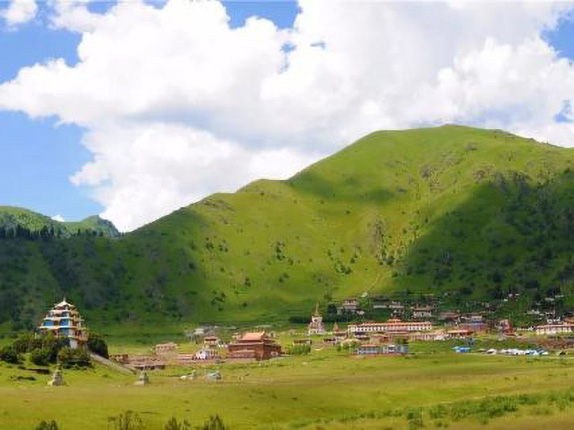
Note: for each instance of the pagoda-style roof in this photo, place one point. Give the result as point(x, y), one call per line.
point(64, 321)
point(64, 305)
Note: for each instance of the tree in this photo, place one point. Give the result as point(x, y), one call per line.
point(98, 345)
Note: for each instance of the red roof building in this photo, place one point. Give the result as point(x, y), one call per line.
point(254, 345)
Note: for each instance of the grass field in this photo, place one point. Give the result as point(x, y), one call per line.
point(325, 390)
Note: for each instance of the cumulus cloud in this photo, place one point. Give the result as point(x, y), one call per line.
point(58, 218)
point(19, 12)
point(177, 104)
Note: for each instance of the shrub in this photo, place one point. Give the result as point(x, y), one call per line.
point(69, 357)
point(45, 425)
point(41, 356)
point(173, 424)
point(213, 423)
point(54, 345)
point(26, 343)
point(299, 350)
point(129, 420)
point(9, 355)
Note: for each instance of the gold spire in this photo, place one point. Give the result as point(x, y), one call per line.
point(317, 313)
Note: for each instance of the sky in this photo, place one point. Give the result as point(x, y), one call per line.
point(133, 109)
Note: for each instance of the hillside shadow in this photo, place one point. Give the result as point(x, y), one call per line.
point(509, 236)
point(347, 190)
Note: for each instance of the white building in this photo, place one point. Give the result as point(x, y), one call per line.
point(316, 325)
point(392, 325)
point(554, 328)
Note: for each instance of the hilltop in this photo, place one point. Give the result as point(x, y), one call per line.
point(14, 218)
point(462, 213)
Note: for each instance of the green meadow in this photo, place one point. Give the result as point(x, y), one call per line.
point(328, 389)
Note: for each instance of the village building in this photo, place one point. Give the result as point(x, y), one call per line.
point(427, 336)
point(166, 348)
point(397, 307)
point(554, 328)
point(145, 362)
point(64, 321)
point(211, 341)
point(423, 312)
point(393, 305)
point(203, 356)
point(338, 334)
point(316, 325)
point(369, 350)
point(257, 345)
point(120, 358)
point(392, 325)
point(449, 316)
point(206, 354)
point(349, 306)
point(474, 323)
point(380, 303)
point(458, 333)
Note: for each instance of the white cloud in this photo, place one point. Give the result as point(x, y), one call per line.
point(148, 169)
point(178, 105)
point(19, 12)
point(58, 218)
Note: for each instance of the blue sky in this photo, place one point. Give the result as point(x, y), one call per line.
point(39, 156)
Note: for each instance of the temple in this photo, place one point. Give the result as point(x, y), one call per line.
point(256, 346)
point(316, 325)
point(64, 321)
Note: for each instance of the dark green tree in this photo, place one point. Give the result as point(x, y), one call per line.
point(98, 345)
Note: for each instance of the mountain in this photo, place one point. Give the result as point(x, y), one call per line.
point(14, 218)
point(467, 215)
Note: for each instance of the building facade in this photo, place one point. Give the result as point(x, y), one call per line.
point(392, 325)
point(64, 321)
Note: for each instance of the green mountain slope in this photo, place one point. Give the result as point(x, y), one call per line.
point(463, 213)
point(12, 218)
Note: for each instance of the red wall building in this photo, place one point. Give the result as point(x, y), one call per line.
point(254, 345)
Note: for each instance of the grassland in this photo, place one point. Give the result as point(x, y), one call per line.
point(325, 390)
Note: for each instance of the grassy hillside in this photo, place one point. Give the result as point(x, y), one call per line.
point(463, 213)
point(13, 218)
